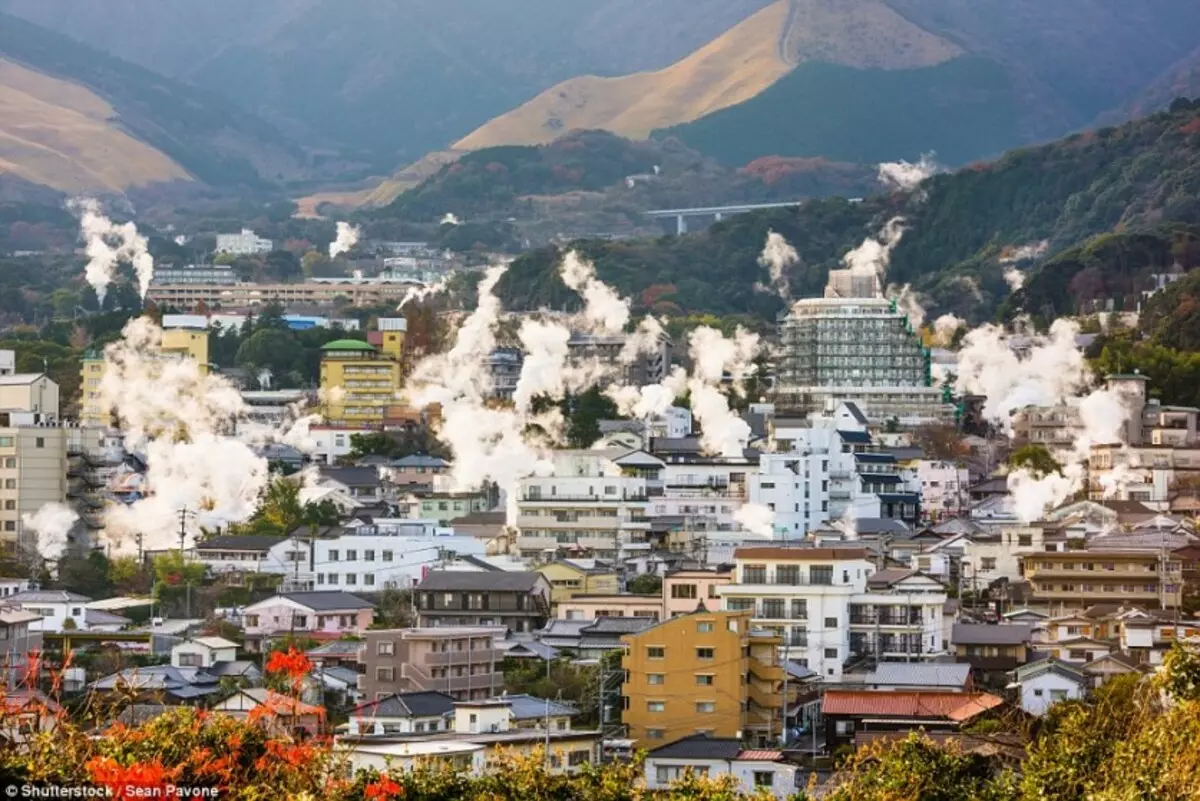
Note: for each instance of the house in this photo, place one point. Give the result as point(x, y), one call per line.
point(519, 601)
point(1107, 667)
point(624, 604)
point(755, 771)
point(363, 484)
point(520, 649)
point(416, 471)
point(203, 652)
point(321, 615)
point(17, 643)
point(12, 586)
point(939, 676)
point(247, 553)
point(848, 713)
point(403, 713)
point(165, 683)
point(460, 661)
point(1079, 651)
point(335, 653)
point(684, 590)
point(991, 648)
point(27, 712)
point(340, 680)
point(1147, 636)
point(570, 578)
point(1046, 682)
point(54, 607)
point(102, 621)
point(280, 713)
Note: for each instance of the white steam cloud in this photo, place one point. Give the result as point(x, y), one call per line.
point(909, 303)
point(1014, 278)
point(1016, 255)
point(451, 219)
point(907, 176)
point(51, 524)
point(777, 256)
point(944, 329)
point(756, 518)
point(875, 253)
point(109, 244)
point(347, 237)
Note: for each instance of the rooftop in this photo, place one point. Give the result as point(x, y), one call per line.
point(327, 601)
point(461, 580)
point(699, 746)
point(404, 705)
point(798, 553)
point(985, 634)
point(920, 674)
point(239, 542)
point(348, 345)
point(900, 704)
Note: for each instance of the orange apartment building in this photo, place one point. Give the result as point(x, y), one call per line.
point(706, 673)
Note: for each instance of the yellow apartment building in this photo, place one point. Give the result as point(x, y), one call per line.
point(191, 343)
point(570, 577)
point(702, 673)
point(1068, 581)
point(360, 382)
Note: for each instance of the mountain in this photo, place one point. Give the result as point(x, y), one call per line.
point(1025, 70)
point(77, 119)
point(392, 79)
point(1182, 79)
point(961, 228)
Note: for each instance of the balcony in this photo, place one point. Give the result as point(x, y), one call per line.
point(766, 672)
point(763, 699)
point(476, 657)
point(635, 497)
point(759, 580)
point(885, 620)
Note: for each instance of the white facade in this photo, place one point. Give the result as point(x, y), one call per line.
point(12, 586)
point(8, 362)
point(819, 600)
point(594, 499)
point(752, 775)
point(943, 488)
point(1047, 687)
point(675, 423)
point(706, 494)
point(795, 488)
point(247, 243)
point(54, 607)
point(203, 652)
point(370, 562)
point(997, 553)
point(330, 444)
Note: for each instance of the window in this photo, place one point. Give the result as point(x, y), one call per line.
point(1024, 540)
point(301, 621)
point(351, 578)
point(764, 778)
point(387, 556)
point(368, 556)
point(685, 591)
point(704, 679)
point(821, 575)
point(1076, 653)
point(740, 604)
point(704, 627)
point(656, 652)
point(333, 578)
point(10, 505)
point(655, 678)
point(987, 563)
point(772, 608)
point(831, 653)
point(10, 483)
point(351, 556)
point(656, 706)
point(577, 758)
point(799, 609)
point(10, 462)
point(6, 442)
point(333, 555)
point(704, 653)
point(706, 707)
point(1037, 693)
point(369, 579)
point(39, 442)
point(754, 574)
point(252, 621)
point(385, 648)
point(10, 525)
point(189, 660)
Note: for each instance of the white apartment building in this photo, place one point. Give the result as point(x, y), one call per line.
point(943, 488)
point(997, 552)
point(832, 607)
point(247, 243)
point(795, 488)
point(596, 500)
point(331, 443)
point(704, 493)
point(8, 362)
point(29, 392)
point(53, 607)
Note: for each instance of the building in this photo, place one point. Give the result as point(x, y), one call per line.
point(54, 607)
point(403, 713)
point(646, 367)
point(831, 607)
point(187, 340)
point(360, 383)
point(943, 488)
point(18, 641)
point(203, 652)
point(704, 673)
point(854, 715)
point(570, 578)
point(1046, 682)
point(504, 367)
point(329, 294)
point(246, 243)
point(596, 502)
point(416, 471)
point(519, 601)
point(1073, 580)
point(320, 615)
point(855, 345)
point(753, 770)
point(992, 649)
point(591, 607)
point(684, 590)
point(29, 392)
point(460, 661)
point(8, 362)
point(215, 274)
point(449, 507)
point(282, 714)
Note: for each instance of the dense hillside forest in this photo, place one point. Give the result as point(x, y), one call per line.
point(960, 227)
point(211, 138)
point(520, 181)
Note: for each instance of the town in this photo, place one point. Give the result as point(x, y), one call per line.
point(842, 558)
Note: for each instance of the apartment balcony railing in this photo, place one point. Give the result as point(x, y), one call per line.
point(766, 672)
point(750, 580)
point(476, 657)
point(885, 620)
point(590, 498)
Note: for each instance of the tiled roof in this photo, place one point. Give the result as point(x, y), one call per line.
point(239, 542)
point(799, 553)
point(403, 705)
point(461, 580)
point(759, 755)
point(893, 704)
point(327, 601)
point(985, 634)
point(917, 674)
point(699, 746)
point(529, 707)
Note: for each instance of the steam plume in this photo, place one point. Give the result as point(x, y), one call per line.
point(347, 237)
point(451, 219)
point(604, 312)
point(756, 518)
point(109, 244)
point(1014, 278)
point(876, 253)
point(1029, 252)
point(944, 329)
point(906, 176)
point(51, 524)
point(908, 302)
point(777, 256)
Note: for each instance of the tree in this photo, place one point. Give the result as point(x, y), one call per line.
point(271, 349)
point(646, 584)
point(584, 413)
point(128, 575)
point(940, 441)
point(1036, 459)
point(88, 575)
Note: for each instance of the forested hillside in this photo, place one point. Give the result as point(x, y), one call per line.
point(959, 228)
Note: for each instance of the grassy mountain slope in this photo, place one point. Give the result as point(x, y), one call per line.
point(962, 224)
point(62, 135)
point(201, 133)
point(393, 79)
point(1181, 80)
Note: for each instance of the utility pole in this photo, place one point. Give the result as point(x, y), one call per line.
point(784, 735)
point(183, 516)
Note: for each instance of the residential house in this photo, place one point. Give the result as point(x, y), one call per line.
point(385, 554)
point(460, 661)
point(1146, 637)
point(339, 681)
point(248, 553)
point(363, 484)
point(320, 615)
point(1079, 650)
point(281, 714)
point(831, 606)
point(1101, 670)
point(572, 577)
point(161, 683)
point(416, 471)
point(1046, 682)
point(849, 714)
point(684, 590)
point(937, 676)
point(335, 653)
point(992, 649)
point(403, 713)
point(98, 620)
point(25, 713)
point(754, 771)
point(54, 607)
point(519, 601)
point(707, 672)
point(625, 604)
point(203, 652)
point(19, 643)
point(12, 586)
